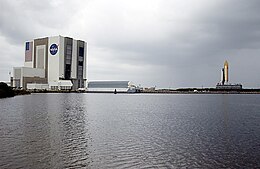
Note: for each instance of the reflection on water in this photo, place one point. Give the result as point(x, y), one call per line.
point(130, 131)
point(44, 131)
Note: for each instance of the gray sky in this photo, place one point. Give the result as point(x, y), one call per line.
point(167, 43)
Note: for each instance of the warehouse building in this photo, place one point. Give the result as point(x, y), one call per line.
point(59, 62)
point(111, 86)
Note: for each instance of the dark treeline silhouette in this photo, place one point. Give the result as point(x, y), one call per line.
point(6, 91)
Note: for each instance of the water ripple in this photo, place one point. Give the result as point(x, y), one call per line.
point(130, 131)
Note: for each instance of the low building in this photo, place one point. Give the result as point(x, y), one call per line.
point(229, 86)
point(38, 86)
point(26, 75)
point(61, 85)
point(111, 86)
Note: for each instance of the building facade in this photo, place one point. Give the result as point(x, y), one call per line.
point(54, 61)
point(111, 86)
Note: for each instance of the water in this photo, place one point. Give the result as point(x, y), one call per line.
point(130, 131)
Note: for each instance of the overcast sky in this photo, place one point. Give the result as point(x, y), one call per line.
point(167, 43)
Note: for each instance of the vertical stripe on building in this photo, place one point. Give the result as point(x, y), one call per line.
point(28, 51)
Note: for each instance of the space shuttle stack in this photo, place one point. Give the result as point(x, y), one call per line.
point(224, 74)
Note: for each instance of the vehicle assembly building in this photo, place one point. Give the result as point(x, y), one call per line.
point(56, 63)
point(224, 80)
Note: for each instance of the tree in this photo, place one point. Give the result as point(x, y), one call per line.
point(5, 90)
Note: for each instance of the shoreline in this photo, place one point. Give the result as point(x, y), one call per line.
point(154, 92)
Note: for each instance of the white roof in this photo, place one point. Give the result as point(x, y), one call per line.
point(61, 83)
point(108, 84)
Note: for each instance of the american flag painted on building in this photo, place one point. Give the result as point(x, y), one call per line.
point(28, 51)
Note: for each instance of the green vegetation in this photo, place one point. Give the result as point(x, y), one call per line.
point(21, 92)
point(6, 91)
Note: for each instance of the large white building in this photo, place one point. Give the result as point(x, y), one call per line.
point(54, 63)
point(111, 86)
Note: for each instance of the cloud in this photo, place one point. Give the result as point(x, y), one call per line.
point(164, 43)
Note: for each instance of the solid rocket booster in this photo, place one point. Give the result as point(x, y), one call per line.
point(222, 76)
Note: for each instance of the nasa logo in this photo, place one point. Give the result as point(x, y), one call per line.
point(53, 49)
